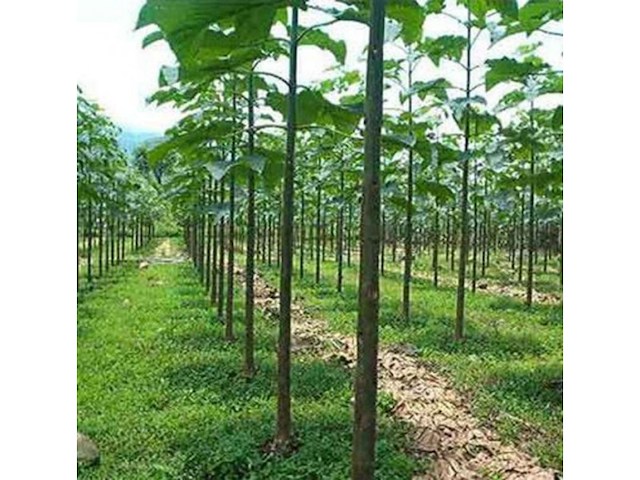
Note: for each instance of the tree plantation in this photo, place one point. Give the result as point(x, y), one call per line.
point(344, 260)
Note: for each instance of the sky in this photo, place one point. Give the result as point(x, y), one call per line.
point(115, 71)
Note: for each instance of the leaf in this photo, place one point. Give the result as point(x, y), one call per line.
point(152, 37)
point(441, 192)
point(168, 76)
point(435, 6)
point(445, 154)
point(255, 162)
point(410, 15)
point(480, 8)
point(195, 30)
point(219, 169)
point(450, 47)
point(396, 141)
point(322, 40)
point(511, 100)
point(508, 69)
point(557, 120)
point(312, 108)
point(536, 13)
point(436, 88)
point(552, 83)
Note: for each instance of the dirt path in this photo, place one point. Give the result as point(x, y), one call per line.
point(166, 252)
point(442, 426)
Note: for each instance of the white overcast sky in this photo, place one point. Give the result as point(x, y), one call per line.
point(115, 71)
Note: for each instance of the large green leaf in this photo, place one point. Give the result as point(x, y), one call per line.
point(410, 15)
point(510, 70)
point(480, 8)
point(322, 40)
point(312, 108)
point(445, 154)
point(536, 13)
point(435, 6)
point(204, 33)
point(441, 192)
point(449, 47)
point(436, 88)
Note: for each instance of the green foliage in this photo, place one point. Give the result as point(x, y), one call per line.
point(322, 40)
point(536, 13)
point(510, 70)
point(449, 47)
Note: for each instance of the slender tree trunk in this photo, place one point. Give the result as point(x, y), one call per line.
point(464, 222)
point(364, 438)
point(474, 255)
point(531, 219)
point(279, 236)
point(209, 222)
point(545, 248)
point(270, 243)
point(560, 250)
point(113, 225)
point(341, 227)
point(349, 215)
point(448, 239)
point(249, 367)
point(283, 432)
point(318, 226)
point(100, 237)
point(90, 243)
point(408, 235)
point(221, 270)
point(78, 244)
point(302, 234)
point(383, 237)
point(521, 239)
point(214, 251)
point(513, 240)
point(436, 244)
point(454, 240)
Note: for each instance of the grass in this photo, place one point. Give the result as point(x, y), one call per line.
point(505, 366)
point(163, 394)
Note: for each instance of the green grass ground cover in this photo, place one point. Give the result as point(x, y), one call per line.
point(506, 366)
point(163, 395)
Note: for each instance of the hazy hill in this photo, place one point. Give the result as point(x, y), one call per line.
point(130, 139)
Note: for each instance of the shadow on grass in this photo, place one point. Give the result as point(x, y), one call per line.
point(536, 385)
point(231, 447)
point(223, 375)
point(511, 304)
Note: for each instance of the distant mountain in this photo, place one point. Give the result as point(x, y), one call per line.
point(131, 139)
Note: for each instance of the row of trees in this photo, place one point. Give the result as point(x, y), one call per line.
point(442, 169)
point(116, 203)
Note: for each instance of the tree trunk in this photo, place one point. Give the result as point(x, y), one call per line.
point(221, 270)
point(249, 367)
point(318, 227)
point(283, 431)
point(340, 227)
point(464, 222)
point(364, 438)
point(408, 235)
point(531, 219)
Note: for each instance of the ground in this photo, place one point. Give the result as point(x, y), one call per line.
point(163, 394)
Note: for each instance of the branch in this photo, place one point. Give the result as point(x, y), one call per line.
point(548, 32)
point(454, 18)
